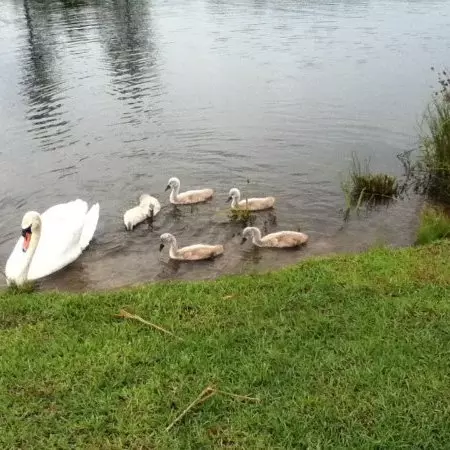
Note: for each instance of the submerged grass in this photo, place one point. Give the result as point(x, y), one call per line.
point(343, 352)
point(362, 187)
point(242, 216)
point(366, 186)
point(434, 225)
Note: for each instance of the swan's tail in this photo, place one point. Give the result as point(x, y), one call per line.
point(90, 225)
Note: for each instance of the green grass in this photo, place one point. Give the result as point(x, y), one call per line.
point(344, 352)
point(434, 225)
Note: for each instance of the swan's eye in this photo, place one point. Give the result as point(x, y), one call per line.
point(26, 230)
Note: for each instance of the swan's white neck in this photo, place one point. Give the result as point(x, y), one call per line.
point(35, 235)
point(174, 193)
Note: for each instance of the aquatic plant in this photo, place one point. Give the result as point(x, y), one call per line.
point(242, 216)
point(434, 162)
point(364, 187)
point(434, 225)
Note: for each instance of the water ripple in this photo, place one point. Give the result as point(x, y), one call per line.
point(106, 100)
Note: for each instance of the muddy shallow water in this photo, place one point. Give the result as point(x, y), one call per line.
point(105, 100)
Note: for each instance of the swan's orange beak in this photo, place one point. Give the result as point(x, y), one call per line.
point(26, 239)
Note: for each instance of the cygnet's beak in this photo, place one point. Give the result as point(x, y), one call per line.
point(161, 246)
point(167, 188)
point(243, 240)
point(229, 199)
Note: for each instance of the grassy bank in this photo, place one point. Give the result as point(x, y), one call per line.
point(345, 352)
point(434, 225)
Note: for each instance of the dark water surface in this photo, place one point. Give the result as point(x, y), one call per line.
point(104, 100)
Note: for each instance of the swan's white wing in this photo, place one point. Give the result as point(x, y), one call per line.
point(66, 211)
point(90, 225)
point(61, 235)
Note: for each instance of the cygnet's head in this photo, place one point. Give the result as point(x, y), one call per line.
point(173, 183)
point(234, 193)
point(166, 238)
point(248, 233)
point(31, 222)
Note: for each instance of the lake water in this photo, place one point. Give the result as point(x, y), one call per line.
point(104, 100)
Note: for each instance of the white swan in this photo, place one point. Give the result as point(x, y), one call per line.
point(251, 204)
point(190, 253)
point(51, 240)
point(148, 207)
point(280, 239)
point(188, 197)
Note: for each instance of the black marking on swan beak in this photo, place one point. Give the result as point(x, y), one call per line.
point(161, 246)
point(243, 240)
point(229, 199)
point(167, 188)
point(26, 230)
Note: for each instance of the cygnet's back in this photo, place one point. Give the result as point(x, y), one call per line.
point(148, 207)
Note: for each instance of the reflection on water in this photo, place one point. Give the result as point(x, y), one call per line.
point(128, 40)
point(42, 84)
point(104, 100)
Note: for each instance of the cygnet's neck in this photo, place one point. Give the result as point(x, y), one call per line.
point(256, 236)
point(174, 192)
point(173, 249)
point(236, 198)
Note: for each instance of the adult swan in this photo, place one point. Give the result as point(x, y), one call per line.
point(51, 240)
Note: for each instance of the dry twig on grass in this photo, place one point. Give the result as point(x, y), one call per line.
point(126, 315)
point(238, 397)
point(207, 393)
point(203, 396)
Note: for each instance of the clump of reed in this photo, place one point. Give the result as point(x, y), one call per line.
point(364, 187)
point(434, 163)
